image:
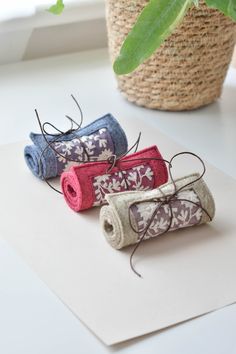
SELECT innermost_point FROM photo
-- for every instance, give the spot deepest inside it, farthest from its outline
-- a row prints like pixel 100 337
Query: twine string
pixel 60 134
pixel 111 160
pixel 56 137
pixel 165 199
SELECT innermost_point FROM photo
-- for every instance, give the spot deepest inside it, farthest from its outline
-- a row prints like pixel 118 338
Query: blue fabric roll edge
pixel 44 165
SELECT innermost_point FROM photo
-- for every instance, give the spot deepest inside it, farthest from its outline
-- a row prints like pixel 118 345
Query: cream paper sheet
pixel 186 273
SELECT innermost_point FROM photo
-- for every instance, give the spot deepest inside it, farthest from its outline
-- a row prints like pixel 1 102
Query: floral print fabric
pixel 94 147
pixel 137 178
pixel 185 214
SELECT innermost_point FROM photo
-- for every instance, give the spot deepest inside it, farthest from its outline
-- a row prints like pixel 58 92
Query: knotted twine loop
pixel 166 199
pixel 112 161
pixel 57 137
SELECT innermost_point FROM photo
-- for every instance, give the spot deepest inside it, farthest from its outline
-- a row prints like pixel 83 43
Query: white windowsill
pixel 37 33
pixel 75 10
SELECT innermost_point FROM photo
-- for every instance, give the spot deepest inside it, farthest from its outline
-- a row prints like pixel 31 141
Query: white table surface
pixel 32 318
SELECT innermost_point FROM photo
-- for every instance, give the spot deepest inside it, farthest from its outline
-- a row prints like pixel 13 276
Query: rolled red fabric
pixel 86 185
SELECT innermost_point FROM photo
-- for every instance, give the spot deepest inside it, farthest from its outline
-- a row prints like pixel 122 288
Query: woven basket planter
pixel 188 70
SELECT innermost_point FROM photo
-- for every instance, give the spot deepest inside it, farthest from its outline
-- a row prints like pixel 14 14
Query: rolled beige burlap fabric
pixel 128 214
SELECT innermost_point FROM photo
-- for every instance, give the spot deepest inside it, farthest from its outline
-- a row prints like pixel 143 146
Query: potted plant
pixel 171 54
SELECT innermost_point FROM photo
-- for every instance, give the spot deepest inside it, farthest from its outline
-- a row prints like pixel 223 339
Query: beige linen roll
pixel 115 221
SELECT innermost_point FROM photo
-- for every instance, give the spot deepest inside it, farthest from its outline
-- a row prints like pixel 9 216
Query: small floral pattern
pixel 94 147
pixel 185 214
pixel 136 178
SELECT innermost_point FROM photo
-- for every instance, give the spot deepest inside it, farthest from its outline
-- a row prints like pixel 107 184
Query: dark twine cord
pixel 57 137
pixel 165 200
pixel 112 160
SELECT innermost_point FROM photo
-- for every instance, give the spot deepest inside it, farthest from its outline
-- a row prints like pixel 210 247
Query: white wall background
pixel 28 30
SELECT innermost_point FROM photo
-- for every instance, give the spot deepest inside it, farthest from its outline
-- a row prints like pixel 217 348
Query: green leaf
pixel 155 23
pixel 57 8
pixel 228 7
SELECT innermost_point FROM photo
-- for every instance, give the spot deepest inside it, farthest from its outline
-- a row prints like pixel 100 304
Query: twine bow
pixel 165 199
pixel 57 137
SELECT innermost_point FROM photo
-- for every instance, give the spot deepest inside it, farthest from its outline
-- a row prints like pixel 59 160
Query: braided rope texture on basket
pixel 188 70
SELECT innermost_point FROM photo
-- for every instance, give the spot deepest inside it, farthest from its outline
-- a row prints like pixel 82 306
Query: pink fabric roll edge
pixel 78 184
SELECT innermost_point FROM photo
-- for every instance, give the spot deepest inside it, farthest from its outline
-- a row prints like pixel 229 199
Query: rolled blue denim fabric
pixel 45 165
